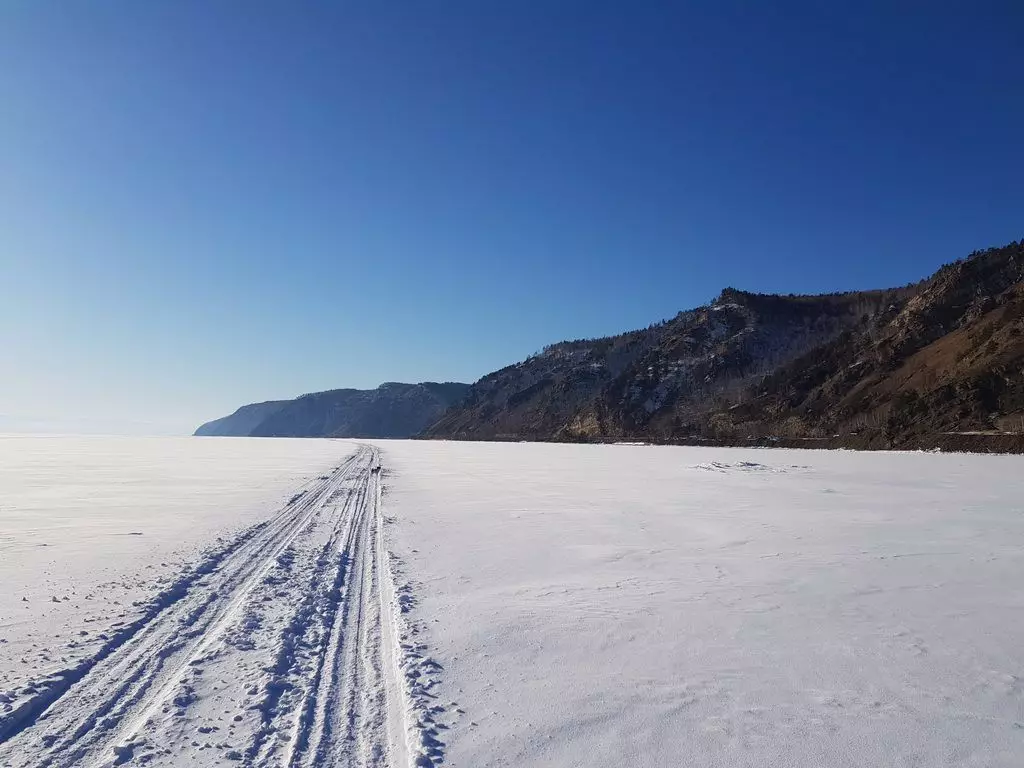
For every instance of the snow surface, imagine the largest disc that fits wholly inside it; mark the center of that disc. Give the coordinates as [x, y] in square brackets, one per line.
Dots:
[660, 606]
[106, 517]
[280, 602]
[281, 639]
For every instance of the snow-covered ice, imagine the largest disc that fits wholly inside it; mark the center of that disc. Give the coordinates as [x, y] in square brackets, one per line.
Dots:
[90, 524]
[276, 641]
[660, 606]
[284, 602]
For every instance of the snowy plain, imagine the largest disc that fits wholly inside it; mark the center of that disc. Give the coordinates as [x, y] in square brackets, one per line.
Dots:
[672, 606]
[557, 605]
[122, 559]
[109, 517]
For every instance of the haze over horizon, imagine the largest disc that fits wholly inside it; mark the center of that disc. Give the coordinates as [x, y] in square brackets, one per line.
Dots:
[204, 205]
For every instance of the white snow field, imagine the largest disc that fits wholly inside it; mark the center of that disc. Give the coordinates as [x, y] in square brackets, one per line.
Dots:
[254, 602]
[273, 640]
[659, 606]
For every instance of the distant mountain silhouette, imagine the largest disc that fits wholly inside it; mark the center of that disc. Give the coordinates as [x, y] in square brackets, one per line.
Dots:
[391, 410]
[242, 422]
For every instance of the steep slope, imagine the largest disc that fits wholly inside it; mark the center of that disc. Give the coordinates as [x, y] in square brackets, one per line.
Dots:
[948, 364]
[391, 410]
[242, 422]
[651, 383]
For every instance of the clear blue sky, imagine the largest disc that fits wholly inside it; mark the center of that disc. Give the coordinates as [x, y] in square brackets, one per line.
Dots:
[209, 203]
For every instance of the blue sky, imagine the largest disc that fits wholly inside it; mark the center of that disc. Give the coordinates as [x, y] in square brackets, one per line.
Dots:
[209, 203]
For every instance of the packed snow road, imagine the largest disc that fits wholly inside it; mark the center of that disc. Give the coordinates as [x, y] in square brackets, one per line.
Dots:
[280, 648]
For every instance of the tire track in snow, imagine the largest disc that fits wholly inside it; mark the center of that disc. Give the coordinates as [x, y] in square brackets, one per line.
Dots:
[289, 646]
[349, 712]
[94, 711]
[32, 709]
[315, 618]
[367, 699]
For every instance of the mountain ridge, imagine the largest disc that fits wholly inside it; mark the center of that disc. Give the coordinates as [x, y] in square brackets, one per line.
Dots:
[934, 364]
[619, 386]
[771, 369]
[393, 409]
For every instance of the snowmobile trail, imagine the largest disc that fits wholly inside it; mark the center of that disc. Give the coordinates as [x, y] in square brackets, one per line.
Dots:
[281, 648]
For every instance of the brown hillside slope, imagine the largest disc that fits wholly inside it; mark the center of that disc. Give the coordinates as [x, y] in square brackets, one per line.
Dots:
[937, 364]
[649, 383]
[949, 362]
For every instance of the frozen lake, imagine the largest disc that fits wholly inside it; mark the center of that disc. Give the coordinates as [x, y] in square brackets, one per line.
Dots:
[519, 604]
[620, 606]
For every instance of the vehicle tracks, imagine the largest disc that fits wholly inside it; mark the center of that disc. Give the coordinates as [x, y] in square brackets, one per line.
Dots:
[280, 648]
